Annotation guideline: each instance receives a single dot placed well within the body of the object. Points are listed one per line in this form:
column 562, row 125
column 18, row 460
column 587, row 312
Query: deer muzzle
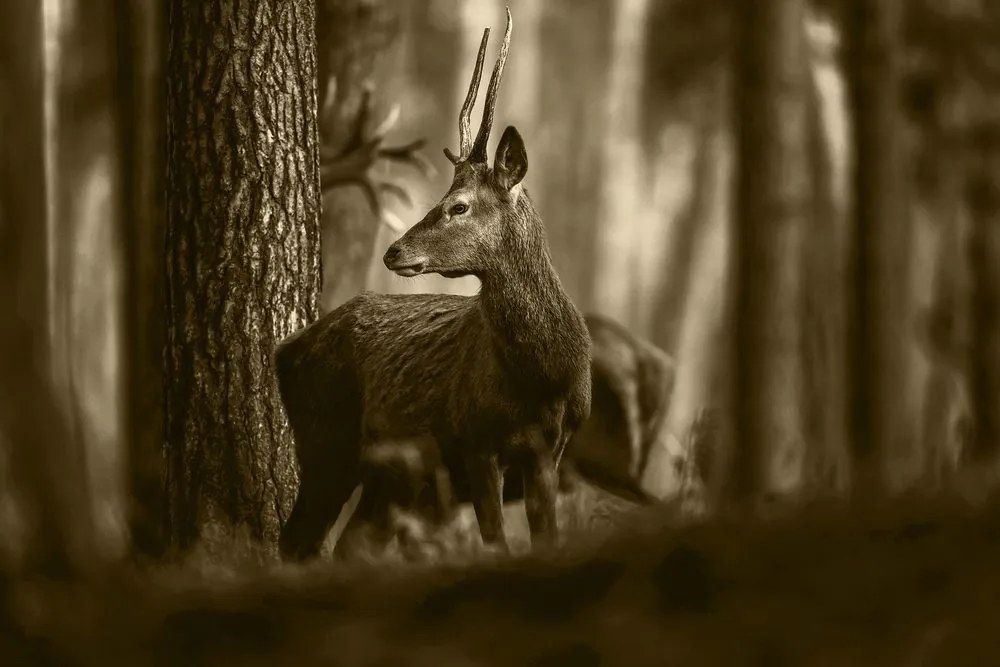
column 404, row 263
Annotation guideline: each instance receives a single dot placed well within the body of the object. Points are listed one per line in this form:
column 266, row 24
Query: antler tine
column 464, row 118
column 478, row 153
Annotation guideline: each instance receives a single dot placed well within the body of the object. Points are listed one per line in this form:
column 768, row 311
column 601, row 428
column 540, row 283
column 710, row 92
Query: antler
column 476, row 152
column 479, row 149
column 464, row 118
column 350, row 164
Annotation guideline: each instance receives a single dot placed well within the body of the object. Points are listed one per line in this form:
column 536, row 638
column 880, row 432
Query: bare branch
column 351, row 164
column 388, row 123
column 396, row 190
column 361, row 122
column 409, row 154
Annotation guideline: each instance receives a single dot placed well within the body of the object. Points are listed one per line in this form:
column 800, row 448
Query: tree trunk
column 243, row 262
column 624, row 193
column 880, row 241
column 352, row 37
column 984, row 265
column 140, row 124
column 942, row 328
column 772, row 207
column 46, row 506
column 703, row 329
column 86, row 273
column 568, row 152
column 823, row 317
column 687, row 230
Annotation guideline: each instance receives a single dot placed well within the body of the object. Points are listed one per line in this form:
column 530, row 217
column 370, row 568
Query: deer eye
column 458, row 209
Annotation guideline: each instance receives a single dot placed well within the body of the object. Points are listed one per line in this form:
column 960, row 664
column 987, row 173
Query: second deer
column 500, row 380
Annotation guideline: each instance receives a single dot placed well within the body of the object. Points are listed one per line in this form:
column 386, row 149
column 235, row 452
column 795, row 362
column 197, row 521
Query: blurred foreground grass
column 914, row 584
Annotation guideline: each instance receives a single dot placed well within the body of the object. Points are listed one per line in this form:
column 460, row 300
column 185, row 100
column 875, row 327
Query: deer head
column 478, row 216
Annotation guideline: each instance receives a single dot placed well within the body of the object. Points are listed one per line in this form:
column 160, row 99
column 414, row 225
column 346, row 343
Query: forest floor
column 909, row 585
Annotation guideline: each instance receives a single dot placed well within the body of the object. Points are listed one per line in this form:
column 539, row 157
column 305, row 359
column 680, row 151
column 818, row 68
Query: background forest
column 796, row 201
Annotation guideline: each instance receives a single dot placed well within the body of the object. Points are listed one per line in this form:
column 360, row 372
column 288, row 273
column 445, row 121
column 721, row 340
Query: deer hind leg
column 486, row 486
column 320, row 500
column 328, row 445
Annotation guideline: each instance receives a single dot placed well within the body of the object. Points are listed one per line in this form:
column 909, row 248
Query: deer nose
column 391, row 257
column 403, row 262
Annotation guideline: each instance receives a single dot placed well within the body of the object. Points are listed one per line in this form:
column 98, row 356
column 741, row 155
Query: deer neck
column 533, row 323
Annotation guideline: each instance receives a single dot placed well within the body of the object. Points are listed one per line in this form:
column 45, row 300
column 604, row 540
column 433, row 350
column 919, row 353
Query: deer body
column 631, row 388
column 499, row 380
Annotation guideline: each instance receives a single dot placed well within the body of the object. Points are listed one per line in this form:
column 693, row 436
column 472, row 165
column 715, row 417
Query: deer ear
column 511, row 161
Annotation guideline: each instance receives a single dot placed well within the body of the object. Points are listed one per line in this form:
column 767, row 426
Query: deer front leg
column 486, row 485
column 541, row 485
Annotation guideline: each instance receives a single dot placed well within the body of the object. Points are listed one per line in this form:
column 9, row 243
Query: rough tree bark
column 243, row 262
column 772, row 206
column 880, row 240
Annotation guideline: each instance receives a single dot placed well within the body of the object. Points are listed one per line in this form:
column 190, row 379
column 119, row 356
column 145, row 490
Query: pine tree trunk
column 880, row 241
column 243, row 262
column 772, row 208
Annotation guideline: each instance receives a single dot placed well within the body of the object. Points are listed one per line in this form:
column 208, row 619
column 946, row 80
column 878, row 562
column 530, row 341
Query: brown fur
column 500, row 379
column 639, row 378
column 632, row 384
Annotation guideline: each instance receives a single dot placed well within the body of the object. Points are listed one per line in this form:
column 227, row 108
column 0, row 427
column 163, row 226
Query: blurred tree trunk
column 243, row 256
column 984, row 265
column 85, row 259
column 140, row 124
column 942, row 329
column 880, row 241
column 771, row 213
column 703, row 333
column 572, row 128
column 678, row 265
column 352, row 39
column 624, row 189
column 823, row 317
column 42, row 457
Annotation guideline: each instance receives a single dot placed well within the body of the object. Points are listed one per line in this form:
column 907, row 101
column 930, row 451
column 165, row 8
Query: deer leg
column 329, row 473
column 320, row 499
column 541, row 486
column 486, row 485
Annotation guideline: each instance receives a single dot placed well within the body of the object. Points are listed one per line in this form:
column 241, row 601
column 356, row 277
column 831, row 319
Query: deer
column 631, row 388
column 500, row 380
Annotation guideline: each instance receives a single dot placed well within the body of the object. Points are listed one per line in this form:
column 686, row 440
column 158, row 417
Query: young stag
column 499, row 380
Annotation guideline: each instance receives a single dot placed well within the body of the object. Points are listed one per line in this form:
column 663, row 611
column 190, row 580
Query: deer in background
column 500, row 380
